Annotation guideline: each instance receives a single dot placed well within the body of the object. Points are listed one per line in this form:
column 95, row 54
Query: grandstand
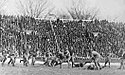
column 66, row 32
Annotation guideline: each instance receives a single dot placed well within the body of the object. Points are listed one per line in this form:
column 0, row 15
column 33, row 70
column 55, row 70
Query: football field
column 40, row 69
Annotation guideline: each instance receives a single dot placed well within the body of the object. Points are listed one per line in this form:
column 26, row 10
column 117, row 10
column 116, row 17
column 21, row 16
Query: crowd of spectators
column 79, row 35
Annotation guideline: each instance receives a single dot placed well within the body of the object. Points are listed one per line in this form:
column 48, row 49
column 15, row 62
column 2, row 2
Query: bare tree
column 2, row 3
column 79, row 10
column 62, row 14
column 33, row 8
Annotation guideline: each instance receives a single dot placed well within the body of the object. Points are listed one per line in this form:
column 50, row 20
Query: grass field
column 40, row 69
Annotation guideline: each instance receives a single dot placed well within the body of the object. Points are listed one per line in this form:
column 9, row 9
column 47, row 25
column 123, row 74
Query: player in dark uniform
column 122, row 60
column 25, row 58
column 12, row 57
column 108, row 59
column 33, row 55
column 4, row 56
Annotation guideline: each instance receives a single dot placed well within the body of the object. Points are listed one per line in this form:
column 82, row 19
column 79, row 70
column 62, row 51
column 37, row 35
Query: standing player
column 108, row 59
column 122, row 60
column 4, row 56
column 12, row 56
column 33, row 55
column 25, row 58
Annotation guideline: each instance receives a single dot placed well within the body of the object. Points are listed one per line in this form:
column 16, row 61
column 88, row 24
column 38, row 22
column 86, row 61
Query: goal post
column 56, row 40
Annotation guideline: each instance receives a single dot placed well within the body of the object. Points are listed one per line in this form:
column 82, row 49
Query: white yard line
column 40, row 62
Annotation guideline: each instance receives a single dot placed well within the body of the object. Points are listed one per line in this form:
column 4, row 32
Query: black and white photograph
column 62, row 37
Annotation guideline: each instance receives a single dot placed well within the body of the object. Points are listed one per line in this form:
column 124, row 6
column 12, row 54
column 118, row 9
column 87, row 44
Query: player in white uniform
column 96, row 58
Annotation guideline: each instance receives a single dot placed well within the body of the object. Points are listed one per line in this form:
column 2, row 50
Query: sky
column 108, row 9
